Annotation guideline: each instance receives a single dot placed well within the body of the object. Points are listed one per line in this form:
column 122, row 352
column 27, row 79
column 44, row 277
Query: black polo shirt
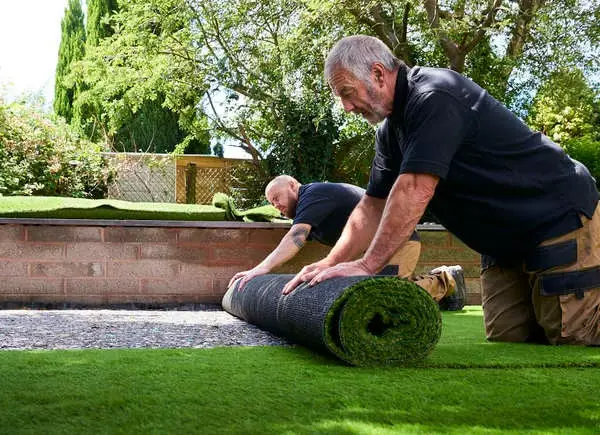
column 503, row 188
column 326, row 208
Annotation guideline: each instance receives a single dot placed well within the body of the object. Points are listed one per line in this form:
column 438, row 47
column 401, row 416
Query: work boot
column 455, row 300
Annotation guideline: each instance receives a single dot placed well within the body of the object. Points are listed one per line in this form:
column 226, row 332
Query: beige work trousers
column 437, row 285
column 517, row 305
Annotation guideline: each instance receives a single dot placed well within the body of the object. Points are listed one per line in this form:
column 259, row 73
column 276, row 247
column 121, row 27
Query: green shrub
column 586, row 149
column 41, row 155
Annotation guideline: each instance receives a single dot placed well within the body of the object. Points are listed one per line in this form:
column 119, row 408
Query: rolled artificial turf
column 365, row 321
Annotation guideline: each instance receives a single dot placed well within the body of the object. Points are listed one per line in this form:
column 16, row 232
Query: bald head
column 281, row 180
column 282, row 192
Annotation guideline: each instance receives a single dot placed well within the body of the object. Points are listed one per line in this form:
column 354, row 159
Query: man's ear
column 378, row 73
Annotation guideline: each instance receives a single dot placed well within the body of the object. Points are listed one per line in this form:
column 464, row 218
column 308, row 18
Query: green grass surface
column 519, row 389
column 79, row 208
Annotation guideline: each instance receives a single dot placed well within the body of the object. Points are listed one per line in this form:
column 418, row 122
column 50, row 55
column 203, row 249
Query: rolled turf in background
column 365, row 321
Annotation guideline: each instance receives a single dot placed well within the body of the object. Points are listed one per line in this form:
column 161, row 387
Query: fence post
column 190, row 183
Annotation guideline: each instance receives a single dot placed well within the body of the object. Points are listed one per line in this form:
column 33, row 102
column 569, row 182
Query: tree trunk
column 520, row 34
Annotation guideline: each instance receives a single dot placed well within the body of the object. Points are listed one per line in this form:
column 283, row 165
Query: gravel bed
column 112, row 329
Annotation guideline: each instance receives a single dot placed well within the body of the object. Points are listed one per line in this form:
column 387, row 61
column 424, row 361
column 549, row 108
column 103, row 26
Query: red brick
column 67, row 269
column 449, row 255
column 12, row 233
column 156, row 299
column 291, row 267
column 454, row 241
column 48, row 233
column 18, row 286
column 209, row 272
column 31, row 251
column 213, row 235
column 435, row 238
column 238, row 254
column 182, row 286
column 219, row 288
column 141, row 235
column 101, row 251
column 13, row 268
column 143, row 268
column 186, row 254
column 23, row 298
column 101, row 286
column 267, row 236
column 473, row 285
column 473, row 299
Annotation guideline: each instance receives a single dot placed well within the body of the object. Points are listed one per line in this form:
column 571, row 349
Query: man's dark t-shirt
column 326, row 208
column 503, row 188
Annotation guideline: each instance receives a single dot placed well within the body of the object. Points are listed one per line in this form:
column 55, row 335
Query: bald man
column 320, row 212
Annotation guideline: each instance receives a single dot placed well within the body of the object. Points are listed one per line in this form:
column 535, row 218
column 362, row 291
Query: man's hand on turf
column 246, row 276
column 306, row 274
column 352, row 268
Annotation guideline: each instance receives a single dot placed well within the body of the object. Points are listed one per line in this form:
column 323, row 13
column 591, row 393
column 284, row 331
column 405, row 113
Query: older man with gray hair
column 508, row 192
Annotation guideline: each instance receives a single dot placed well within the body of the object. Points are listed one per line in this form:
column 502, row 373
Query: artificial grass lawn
column 223, row 209
column 293, row 390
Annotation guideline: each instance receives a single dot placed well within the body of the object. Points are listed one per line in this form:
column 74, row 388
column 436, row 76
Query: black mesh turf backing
column 362, row 320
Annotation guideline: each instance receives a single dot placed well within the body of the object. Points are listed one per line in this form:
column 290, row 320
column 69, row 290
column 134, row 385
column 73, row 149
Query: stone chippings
column 117, row 329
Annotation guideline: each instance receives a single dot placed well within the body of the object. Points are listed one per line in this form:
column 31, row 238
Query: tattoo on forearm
column 299, row 237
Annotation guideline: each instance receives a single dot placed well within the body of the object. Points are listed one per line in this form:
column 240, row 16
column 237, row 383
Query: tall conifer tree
column 97, row 11
column 72, row 48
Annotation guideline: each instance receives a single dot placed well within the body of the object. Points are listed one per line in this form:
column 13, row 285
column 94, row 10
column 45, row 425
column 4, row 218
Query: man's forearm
column 288, row 247
column 359, row 230
column 406, row 204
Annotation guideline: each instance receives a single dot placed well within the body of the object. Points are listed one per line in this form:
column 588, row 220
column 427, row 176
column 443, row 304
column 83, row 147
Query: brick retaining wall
column 112, row 263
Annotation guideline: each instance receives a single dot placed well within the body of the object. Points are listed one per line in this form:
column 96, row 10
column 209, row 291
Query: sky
column 29, row 40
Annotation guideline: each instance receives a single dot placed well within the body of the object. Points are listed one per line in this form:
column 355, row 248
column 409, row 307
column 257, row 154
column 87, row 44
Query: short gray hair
column 357, row 54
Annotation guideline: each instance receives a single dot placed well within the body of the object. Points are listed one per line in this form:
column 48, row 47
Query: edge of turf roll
column 383, row 321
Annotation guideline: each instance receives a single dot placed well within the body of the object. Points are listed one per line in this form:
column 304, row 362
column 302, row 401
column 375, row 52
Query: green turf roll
column 365, row 321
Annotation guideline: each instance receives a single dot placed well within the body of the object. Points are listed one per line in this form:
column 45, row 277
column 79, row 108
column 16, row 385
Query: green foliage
column 121, row 104
column 586, row 149
column 40, row 155
column 564, row 107
column 355, row 151
column 567, row 109
column 71, row 49
column 249, row 73
column 97, row 25
column 151, row 128
column 305, row 144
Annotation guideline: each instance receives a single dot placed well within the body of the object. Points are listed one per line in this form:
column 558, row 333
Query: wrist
column 371, row 267
column 328, row 262
column 262, row 269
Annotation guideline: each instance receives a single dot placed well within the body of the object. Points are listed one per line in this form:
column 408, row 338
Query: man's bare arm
column 358, row 231
column 406, row 204
column 288, row 247
column 355, row 238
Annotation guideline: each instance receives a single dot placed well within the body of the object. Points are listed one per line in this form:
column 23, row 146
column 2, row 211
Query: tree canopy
column 249, row 72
